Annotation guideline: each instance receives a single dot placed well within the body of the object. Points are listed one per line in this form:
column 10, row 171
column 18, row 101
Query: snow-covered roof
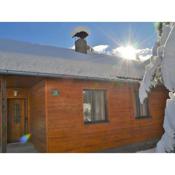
column 24, row 58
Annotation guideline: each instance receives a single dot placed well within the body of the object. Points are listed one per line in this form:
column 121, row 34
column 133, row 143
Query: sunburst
column 127, row 52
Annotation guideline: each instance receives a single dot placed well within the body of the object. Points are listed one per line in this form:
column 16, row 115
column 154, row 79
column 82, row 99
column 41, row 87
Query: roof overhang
column 50, row 75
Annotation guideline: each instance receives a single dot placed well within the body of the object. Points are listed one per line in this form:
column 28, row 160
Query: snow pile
column 159, row 65
column 146, row 84
column 163, row 66
column 165, row 32
column 167, row 142
column 168, row 63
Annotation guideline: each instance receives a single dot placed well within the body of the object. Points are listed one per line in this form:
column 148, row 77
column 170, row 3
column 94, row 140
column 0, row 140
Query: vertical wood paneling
column 3, row 115
column 38, row 116
column 46, row 115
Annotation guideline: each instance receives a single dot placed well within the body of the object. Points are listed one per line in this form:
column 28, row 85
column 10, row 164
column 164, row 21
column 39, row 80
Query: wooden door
column 16, row 116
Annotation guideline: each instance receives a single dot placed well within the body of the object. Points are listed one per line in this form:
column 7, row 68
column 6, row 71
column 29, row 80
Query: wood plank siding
column 56, row 120
column 38, row 116
column 3, row 115
column 67, row 131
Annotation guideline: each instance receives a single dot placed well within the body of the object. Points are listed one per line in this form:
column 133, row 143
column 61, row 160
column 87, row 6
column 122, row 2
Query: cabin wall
column 38, row 116
column 68, row 133
column 0, row 116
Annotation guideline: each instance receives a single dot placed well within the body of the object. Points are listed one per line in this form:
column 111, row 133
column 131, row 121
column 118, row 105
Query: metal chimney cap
column 81, row 32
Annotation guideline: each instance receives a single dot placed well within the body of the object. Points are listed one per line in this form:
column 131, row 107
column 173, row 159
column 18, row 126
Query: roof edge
column 39, row 74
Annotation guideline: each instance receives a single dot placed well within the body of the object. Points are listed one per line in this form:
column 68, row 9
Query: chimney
column 80, row 43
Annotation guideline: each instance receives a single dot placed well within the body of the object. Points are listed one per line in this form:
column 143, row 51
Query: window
column 141, row 109
column 94, row 106
column 17, row 116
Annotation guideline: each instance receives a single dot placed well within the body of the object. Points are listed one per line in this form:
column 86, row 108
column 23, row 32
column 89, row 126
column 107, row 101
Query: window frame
column 137, row 107
column 93, row 111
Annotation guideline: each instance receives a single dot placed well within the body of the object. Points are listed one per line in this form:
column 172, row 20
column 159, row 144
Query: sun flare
column 128, row 52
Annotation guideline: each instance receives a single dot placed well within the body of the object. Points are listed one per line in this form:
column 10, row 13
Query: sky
column 104, row 37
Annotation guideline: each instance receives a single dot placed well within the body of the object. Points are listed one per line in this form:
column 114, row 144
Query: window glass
column 94, row 105
column 141, row 109
column 17, row 113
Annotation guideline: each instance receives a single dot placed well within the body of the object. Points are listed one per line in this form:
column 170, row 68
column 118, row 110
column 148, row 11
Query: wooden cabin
column 74, row 102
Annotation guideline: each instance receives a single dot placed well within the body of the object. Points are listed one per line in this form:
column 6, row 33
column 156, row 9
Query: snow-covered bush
column 162, row 70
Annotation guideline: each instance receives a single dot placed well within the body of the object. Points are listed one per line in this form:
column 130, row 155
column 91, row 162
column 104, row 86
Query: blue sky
column 107, row 37
column 59, row 34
